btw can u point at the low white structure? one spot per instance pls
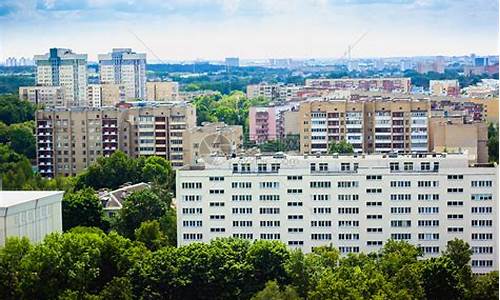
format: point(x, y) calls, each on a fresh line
point(32, 214)
point(355, 203)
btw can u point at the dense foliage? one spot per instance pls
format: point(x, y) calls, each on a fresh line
point(10, 83)
point(342, 147)
point(85, 263)
point(13, 110)
point(493, 142)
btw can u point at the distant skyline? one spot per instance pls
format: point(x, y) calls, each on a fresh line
point(214, 29)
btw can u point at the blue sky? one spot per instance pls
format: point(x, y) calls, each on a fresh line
point(213, 29)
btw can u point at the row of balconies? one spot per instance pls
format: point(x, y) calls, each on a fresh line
point(45, 149)
point(41, 163)
point(109, 125)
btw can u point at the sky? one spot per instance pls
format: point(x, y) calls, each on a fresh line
point(257, 29)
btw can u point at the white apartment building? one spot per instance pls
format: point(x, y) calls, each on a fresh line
point(62, 67)
point(355, 203)
point(31, 214)
point(122, 66)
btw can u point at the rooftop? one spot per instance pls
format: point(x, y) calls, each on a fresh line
point(11, 198)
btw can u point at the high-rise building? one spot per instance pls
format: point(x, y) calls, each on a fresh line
point(109, 94)
point(162, 91)
point(481, 61)
point(399, 85)
point(370, 126)
point(232, 61)
point(69, 140)
point(211, 139)
point(122, 66)
point(354, 203)
point(62, 67)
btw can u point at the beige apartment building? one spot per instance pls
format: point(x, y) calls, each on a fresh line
point(211, 139)
point(391, 85)
point(44, 96)
point(162, 91)
point(370, 126)
point(453, 135)
point(490, 108)
point(70, 140)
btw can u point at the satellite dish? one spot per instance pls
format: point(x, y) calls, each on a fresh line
point(215, 143)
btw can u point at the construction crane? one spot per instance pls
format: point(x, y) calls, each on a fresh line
point(347, 53)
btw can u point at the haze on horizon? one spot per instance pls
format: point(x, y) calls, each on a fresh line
point(214, 29)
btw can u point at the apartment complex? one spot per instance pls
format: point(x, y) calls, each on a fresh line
point(61, 67)
point(274, 92)
point(211, 139)
point(162, 91)
point(69, 140)
point(397, 85)
point(355, 203)
point(370, 126)
point(44, 96)
point(444, 88)
point(122, 66)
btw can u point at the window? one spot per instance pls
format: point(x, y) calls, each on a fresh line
point(374, 243)
point(373, 191)
point(481, 197)
point(321, 223)
point(482, 236)
point(321, 236)
point(322, 210)
point(482, 263)
point(455, 177)
point(348, 210)
point(394, 166)
point(269, 210)
point(401, 183)
point(373, 177)
point(374, 230)
point(428, 236)
point(400, 197)
point(295, 177)
point(428, 223)
point(270, 223)
point(348, 223)
point(216, 191)
point(481, 210)
point(401, 236)
point(482, 183)
point(455, 216)
point(320, 184)
point(191, 185)
point(294, 191)
point(321, 197)
point(374, 217)
point(400, 210)
point(482, 223)
point(455, 190)
point(347, 184)
point(269, 197)
point(400, 223)
point(294, 204)
point(428, 210)
point(216, 178)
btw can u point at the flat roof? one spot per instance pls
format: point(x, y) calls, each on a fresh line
point(11, 198)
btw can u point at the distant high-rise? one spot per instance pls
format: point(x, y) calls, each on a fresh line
point(481, 61)
point(62, 67)
point(122, 66)
point(232, 61)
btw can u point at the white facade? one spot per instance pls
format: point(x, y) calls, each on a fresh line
point(32, 214)
point(123, 66)
point(94, 96)
point(354, 203)
point(45, 96)
point(62, 67)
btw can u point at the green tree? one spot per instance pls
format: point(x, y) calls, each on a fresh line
point(342, 147)
point(13, 110)
point(485, 287)
point(82, 208)
point(493, 142)
point(441, 279)
point(15, 169)
point(22, 139)
point(11, 256)
point(150, 235)
point(272, 291)
point(138, 207)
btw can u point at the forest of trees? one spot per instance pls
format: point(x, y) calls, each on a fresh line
point(86, 263)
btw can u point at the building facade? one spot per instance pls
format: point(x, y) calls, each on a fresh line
point(399, 85)
point(61, 67)
point(444, 88)
point(211, 139)
point(162, 91)
point(355, 203)
point(31, 214)
point(262, 124)
point(70, 140)
point(454, 135)
point(122, 66)
point(44, 96)
point(275, 92)
point(370, 126)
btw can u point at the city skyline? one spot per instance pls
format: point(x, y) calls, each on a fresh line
point(213, 29)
